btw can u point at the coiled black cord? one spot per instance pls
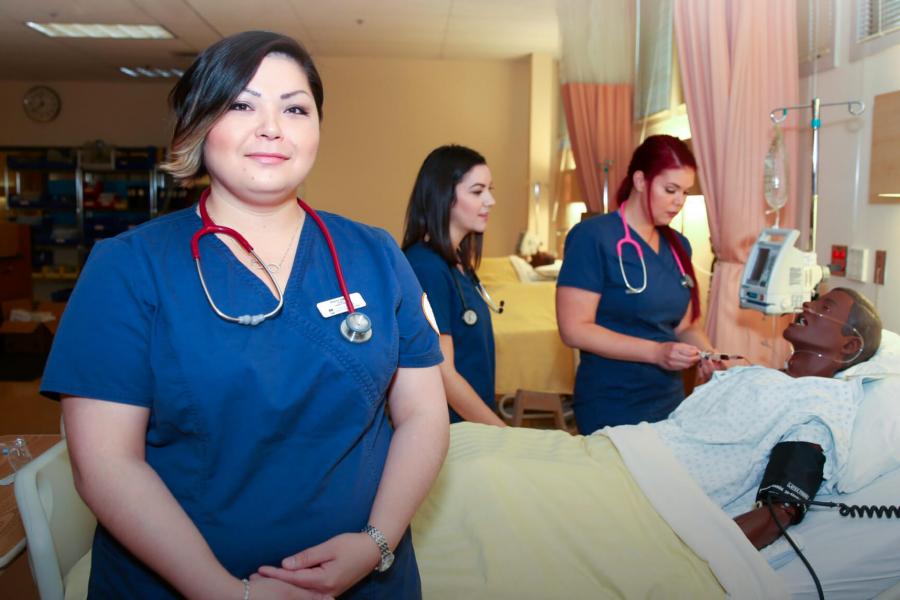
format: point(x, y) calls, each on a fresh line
point(860, 510)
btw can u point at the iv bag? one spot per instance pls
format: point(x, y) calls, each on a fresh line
point(775, 173)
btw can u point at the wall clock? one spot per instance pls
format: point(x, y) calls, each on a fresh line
point(42, 104)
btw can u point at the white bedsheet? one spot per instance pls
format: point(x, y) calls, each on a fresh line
point(712, 534)
point(854, 558)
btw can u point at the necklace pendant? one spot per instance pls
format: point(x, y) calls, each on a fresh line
point(273, 268)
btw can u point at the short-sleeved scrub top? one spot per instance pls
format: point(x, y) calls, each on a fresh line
point(451, 293)
point(272, 438)
point(616, 392)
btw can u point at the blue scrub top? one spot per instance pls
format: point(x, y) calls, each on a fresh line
point(473, 345)
point(616, 392)
point(272, 438)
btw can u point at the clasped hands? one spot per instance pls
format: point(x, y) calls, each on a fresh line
point(318, 573)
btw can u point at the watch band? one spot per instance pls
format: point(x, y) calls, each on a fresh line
point(387, 557)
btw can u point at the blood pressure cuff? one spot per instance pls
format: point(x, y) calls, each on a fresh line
point(793, 475)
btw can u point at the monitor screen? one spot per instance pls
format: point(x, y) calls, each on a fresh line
point(762, 257)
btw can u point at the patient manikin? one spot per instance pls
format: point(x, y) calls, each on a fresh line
point(724, 432)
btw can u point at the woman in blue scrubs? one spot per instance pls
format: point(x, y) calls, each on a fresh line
point(633, 308)
point(249, 459)
point(445, 222)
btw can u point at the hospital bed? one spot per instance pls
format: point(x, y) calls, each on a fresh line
point(530, 354)
point(512, 515)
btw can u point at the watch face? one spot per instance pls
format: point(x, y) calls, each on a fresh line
point(41, 104)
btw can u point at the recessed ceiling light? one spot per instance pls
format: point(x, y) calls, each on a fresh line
point(102, 30)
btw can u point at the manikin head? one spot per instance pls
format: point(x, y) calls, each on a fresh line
point(833, 332)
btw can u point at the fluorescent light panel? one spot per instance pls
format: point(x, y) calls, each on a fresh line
point(151, 72)
point(102, 30)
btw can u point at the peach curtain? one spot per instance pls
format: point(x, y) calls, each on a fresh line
point(738, 61)
point(599, 120)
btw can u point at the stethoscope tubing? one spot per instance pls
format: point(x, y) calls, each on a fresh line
point(208, 227)
point(469, 316)
point(686, 280)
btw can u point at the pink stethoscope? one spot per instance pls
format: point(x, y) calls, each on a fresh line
point(686, 279)
point(356, 327)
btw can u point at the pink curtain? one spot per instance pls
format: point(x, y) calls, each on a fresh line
point(599, 120)
point(738, 61)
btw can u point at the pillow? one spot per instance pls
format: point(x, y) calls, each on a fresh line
point(550, 271)
point(523, 269)
point(875, 443)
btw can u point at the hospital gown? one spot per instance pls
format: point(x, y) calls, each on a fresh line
point(724, 432)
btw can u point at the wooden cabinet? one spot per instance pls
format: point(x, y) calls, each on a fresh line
point(15, 261)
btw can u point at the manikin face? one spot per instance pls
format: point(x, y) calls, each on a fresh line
point(474, 199)
point(263, 147)
point(668, 192)
point(820, 346)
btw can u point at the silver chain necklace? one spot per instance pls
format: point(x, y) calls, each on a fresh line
point(273, 268)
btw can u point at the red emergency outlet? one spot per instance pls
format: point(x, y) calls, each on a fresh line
point(838, 261)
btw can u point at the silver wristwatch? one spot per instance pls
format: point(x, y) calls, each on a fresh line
point(387, 557)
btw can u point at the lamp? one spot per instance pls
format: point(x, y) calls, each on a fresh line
point(574, 211)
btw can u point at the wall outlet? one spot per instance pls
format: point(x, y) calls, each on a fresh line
point(857, 264)
point(838, 261)
point(880, 260)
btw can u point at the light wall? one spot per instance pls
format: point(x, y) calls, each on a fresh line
point(845, 215)
point(382, 117)
point(122, 114)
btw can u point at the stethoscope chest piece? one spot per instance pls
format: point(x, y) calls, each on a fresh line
point(356, 328)
point(687, 281)
point(470, 317)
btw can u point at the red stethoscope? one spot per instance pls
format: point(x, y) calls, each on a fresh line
point(356, 326)
point(686, 280)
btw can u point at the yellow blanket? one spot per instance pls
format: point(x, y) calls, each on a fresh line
point(541, 514)
point(530, 354)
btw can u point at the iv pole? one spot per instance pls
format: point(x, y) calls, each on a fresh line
point(605, 165)
point(855, 108)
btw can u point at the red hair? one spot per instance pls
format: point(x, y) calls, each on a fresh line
point(659, 153)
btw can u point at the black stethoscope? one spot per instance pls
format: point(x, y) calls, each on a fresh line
point(686, 280)
point(356, 327)
point(469, 316)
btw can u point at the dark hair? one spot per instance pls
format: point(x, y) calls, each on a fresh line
point(210, 85)
point(432, 197)
point(657, 154)
point(863, 317)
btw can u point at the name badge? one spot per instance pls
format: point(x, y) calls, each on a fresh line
point(337, 306)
